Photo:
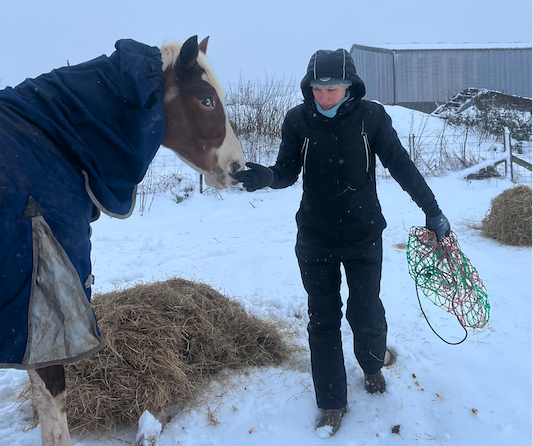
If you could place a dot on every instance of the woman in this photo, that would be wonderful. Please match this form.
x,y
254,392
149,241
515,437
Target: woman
x,y
333,139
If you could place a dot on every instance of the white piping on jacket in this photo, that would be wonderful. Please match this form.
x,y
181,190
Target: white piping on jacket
x,y
305,148
367,146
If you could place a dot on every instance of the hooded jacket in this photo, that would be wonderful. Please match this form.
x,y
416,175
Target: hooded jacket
x,y
337,159
105,116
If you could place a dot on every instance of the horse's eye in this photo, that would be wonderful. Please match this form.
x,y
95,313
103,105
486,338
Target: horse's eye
x,y
208,102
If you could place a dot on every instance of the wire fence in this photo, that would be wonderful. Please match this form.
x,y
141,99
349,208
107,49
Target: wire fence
x,y
433,156
436,155
167,174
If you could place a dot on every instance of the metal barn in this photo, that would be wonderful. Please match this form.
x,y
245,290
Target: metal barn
x,y
421,77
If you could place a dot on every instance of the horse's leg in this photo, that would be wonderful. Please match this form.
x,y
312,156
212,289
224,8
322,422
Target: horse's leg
x,y
49,395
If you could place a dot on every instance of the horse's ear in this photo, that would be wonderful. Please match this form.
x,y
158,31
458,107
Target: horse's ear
x,y
189,52
203,45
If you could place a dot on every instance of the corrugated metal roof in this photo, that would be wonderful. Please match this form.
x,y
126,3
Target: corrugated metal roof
x,y
445,46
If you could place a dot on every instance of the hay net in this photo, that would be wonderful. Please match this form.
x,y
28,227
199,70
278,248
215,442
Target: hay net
x,y
447,278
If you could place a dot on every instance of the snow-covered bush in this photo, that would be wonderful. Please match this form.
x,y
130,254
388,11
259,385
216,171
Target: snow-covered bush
x,y
256,112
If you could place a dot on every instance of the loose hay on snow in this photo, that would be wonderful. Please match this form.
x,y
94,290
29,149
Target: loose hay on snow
x,y
163,340
509,218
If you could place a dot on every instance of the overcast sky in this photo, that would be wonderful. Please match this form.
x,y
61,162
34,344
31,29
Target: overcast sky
x,y
275,38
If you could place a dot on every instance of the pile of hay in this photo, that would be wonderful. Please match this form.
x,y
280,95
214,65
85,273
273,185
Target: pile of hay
x,y
509,218
163,341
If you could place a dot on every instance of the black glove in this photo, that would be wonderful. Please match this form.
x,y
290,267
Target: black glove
x,y
256,178
439,225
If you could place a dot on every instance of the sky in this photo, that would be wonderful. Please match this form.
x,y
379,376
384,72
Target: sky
x,y
242,244
252,40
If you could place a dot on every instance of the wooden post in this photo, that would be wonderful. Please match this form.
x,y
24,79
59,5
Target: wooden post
x,y
507,151
508,155
201,183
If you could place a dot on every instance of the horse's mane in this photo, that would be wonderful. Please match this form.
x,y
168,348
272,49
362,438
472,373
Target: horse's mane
x,y
169,55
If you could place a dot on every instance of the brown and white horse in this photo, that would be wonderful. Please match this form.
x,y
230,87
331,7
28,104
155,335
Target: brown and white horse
x,y
197,124
198,131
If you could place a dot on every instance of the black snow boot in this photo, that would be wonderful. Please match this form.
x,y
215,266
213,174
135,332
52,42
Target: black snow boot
x,y
330,422
375,383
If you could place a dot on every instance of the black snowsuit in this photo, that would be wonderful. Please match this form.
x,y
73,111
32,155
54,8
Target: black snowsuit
x,y
340,219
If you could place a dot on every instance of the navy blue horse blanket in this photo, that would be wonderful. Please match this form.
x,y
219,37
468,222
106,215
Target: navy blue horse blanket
x,y
73,142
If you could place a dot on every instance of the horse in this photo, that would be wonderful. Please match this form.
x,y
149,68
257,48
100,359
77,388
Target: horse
x,y
76,142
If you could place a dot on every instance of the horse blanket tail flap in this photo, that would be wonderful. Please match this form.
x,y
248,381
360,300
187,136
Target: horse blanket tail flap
x,y
62,324
73,140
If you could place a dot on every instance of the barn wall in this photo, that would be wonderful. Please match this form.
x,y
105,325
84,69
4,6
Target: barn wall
x,y
421,78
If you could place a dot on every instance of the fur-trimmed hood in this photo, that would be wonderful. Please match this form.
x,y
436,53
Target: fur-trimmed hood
x,y
336,64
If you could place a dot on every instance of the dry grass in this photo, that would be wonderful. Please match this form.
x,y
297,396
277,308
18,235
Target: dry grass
x,y
509,218
164,340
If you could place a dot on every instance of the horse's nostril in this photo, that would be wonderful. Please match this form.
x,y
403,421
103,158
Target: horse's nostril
x,y
234,167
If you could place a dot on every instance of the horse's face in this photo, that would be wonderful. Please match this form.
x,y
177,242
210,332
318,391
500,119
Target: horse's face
x,y
197,125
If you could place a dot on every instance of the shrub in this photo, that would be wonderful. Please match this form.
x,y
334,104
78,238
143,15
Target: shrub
x,y
256,112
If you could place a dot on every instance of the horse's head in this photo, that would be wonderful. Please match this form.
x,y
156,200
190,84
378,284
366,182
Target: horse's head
x,y
197,125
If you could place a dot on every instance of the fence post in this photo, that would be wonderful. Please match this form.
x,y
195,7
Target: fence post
x,y
506,150
201,183
507,147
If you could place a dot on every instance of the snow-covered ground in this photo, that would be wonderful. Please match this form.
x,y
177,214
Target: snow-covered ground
x,y
476,393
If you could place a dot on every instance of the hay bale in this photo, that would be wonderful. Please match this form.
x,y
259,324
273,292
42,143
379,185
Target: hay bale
x,y
163,341
509,218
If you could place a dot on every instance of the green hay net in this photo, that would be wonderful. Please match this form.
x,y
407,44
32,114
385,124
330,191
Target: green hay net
x,y
447,278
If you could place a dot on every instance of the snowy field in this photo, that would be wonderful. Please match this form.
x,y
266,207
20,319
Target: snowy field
x,y
476,393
